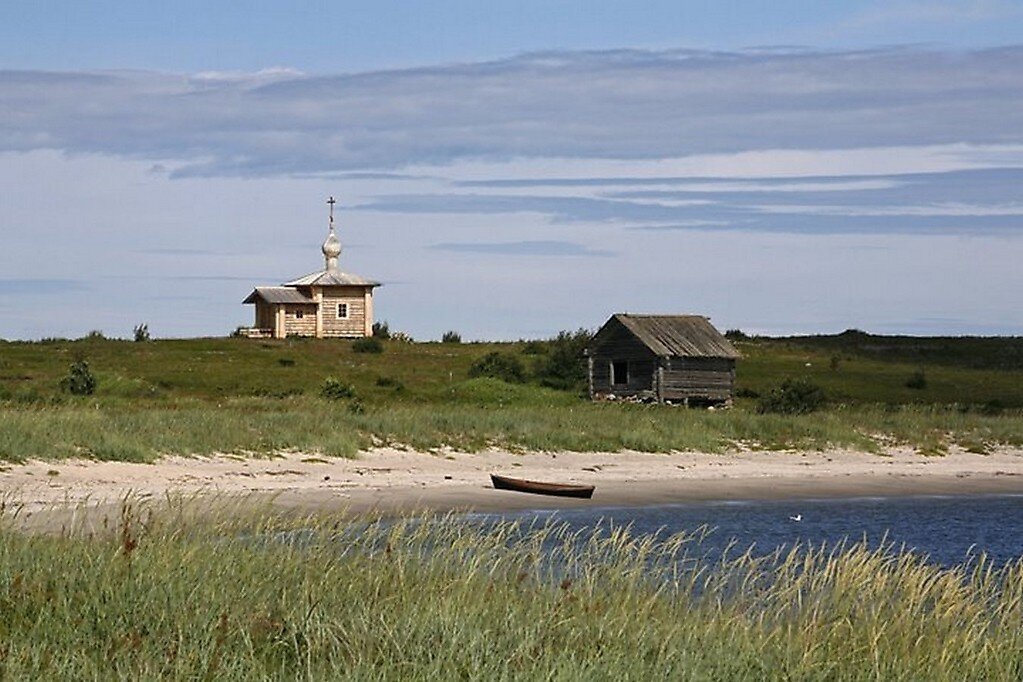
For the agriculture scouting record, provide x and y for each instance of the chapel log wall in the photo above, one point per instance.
(355, 324)
(300, 326)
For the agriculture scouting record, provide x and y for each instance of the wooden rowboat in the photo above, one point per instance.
(541, 488)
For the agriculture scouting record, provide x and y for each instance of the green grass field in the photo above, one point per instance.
(228, 593)
(200, 396)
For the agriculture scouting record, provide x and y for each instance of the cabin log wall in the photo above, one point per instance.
(672, 378)
(622, 346)
(697, 378)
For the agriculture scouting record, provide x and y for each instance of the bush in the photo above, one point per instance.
(381, 330)
(390, 382)
(917, 380)
(335, 389)
(141, 333)
(746, 393)
(992, 407)
(79, 380)
(503, 366)
(564, 366)
(451, 337)
(736, 335)
(534, 347)
(369, 344)
(95, 335)
(794, 396)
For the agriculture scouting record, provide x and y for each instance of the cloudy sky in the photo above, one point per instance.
(512, 169)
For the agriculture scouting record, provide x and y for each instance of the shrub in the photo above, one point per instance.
(390, 382)
(503, 366)
(369, 344)
(564, 366)
(534, 347)
(402, 337)
(992, 407)
(451, 337)
(746, 393)
(335, 389)
(917, 380)
(736, 335)
(794, 396)
(141, 333)
(381, 330)
(286, 362)
(95, 335)
(79, 379)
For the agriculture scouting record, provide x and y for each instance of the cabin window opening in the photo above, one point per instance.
(299, 314)
(342, 311)
(619, 372)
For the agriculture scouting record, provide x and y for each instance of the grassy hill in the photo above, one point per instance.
(198, 396)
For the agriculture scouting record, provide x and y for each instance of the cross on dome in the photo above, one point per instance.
(332, 246)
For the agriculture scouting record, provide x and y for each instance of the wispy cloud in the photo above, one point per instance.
(524, 248)
(172, 251)
(939, 209)
(40, 287)
(625, 104)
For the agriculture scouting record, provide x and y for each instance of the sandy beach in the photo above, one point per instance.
(392, 480)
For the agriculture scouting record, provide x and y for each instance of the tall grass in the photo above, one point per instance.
(265, 426)
(190, 593)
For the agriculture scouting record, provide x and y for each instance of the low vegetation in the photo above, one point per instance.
(497, 365)
(232, 595)
(793, 396)
(201, 396)
(370, 344)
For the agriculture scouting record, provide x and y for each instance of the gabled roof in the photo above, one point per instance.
(672, 335)
(278, 295)
(328, 278)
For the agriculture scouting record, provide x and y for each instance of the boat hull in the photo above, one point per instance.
(542, 488)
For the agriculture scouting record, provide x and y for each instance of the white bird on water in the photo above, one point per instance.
(797, 518)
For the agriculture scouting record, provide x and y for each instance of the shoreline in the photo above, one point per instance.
(390, 480)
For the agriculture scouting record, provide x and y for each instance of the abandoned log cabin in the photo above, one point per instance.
(325, 304)
(673, 358)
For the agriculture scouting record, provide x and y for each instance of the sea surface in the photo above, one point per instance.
(946, 530)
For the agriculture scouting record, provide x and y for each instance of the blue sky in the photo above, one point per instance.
(512, 169)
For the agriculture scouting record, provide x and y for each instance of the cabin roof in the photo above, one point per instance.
(331, 278)
(673, 335)
(278, 295)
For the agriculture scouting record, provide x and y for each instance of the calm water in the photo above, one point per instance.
(949, 530)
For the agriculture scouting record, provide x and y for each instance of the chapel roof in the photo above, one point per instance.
(331, 278)
(283, 294)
